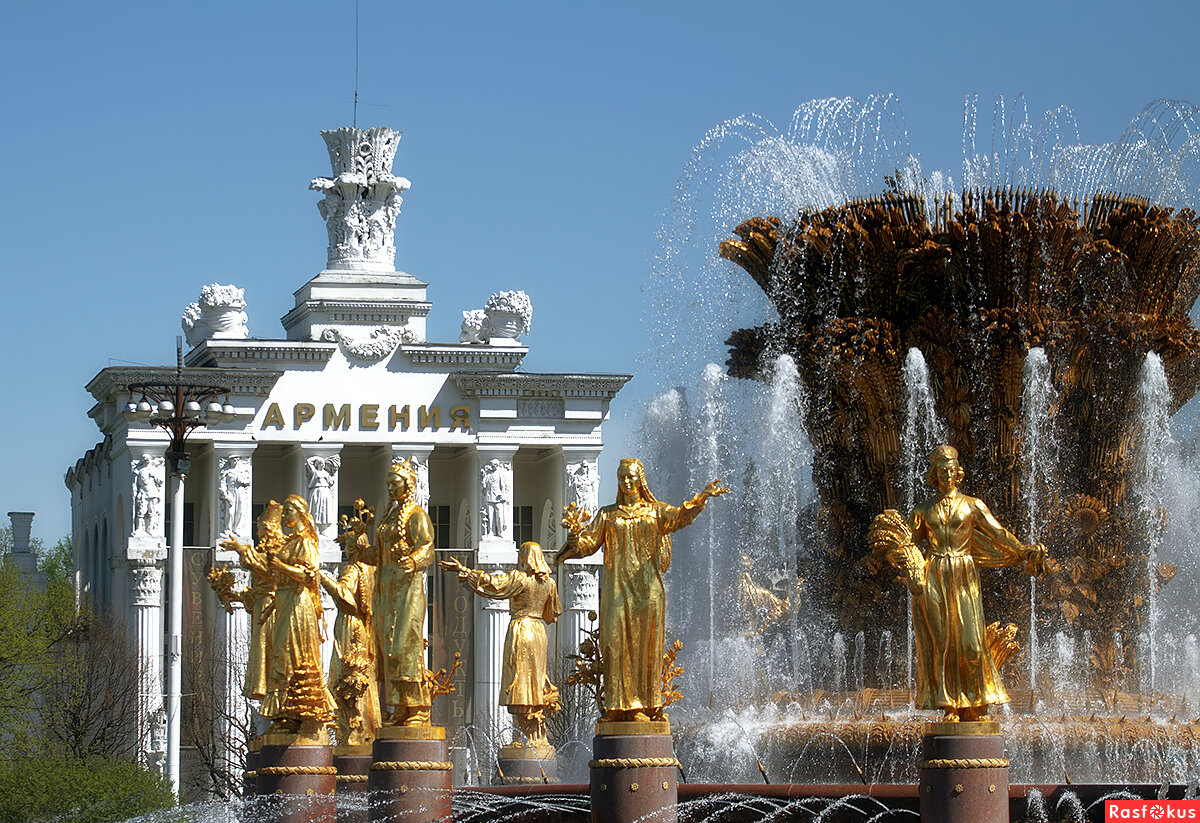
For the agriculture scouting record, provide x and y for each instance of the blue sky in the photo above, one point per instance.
(151, 148)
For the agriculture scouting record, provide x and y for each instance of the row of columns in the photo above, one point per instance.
(230, 495)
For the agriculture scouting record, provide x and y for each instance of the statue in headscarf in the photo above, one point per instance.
(532, 595)
(635, 535)
(259, 596)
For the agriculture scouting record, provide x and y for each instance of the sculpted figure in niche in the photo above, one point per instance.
(532, 595)
(352, 668)
(940, 549)
(584, 484)
(322, 473)
(235, 495)
(402, 552)
(296, 698)
(496, 499)
(147, 495)
(259, 596)
(635, 536)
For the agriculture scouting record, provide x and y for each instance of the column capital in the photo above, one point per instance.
(145, 583)
(580, 453)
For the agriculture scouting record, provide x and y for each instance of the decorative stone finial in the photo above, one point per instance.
(219, 314)
(509, 315)
(362, 199)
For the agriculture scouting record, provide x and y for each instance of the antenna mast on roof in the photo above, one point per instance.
(354, 121)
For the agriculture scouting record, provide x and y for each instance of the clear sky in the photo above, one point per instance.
(151, 148)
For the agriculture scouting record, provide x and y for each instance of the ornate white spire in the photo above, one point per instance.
(362, 198)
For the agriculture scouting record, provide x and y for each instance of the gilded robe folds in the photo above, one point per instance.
(400, 604)
(532, 603)
(955, 669)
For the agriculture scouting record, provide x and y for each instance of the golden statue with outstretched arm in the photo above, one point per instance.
(402, 552)
(939, 551)
(635, 535)
(532, 595)
(352, 667)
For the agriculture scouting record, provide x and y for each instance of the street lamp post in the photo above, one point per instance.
(178, 407)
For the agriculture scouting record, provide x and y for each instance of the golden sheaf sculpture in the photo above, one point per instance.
(939, 550)
(532, 595)
(635, 535)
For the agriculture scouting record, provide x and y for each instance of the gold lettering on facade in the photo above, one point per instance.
(368, 416)
(428, 415)
(335, 418)
(341, 416)
(302, 413)
(395, 417)
(274, 417)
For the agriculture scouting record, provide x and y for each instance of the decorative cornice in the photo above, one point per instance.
(112, 383)
(231, 354)
(473, 355)
(587, 386)
(363, 312)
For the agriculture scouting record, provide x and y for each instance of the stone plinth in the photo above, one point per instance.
(410, 774)
(353, 764)
(521, 765)
(296, 778)
(634, 773)
(250, 773)
(963, 773)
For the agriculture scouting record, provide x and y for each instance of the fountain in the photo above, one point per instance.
(1035, 316)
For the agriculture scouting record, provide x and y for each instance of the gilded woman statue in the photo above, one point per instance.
(403, 551)
(352, 668)
(940, 549)
(259, 596)
(532, 596)
(296, 698)
(635, 535)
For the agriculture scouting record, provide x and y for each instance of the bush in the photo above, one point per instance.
(41, 789)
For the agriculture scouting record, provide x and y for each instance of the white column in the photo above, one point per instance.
(145, 589)
(491, 625)
(231, 650)
(580, 586)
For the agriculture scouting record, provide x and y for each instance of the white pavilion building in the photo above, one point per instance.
(352, 385)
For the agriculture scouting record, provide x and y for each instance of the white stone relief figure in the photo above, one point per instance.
(497, 499)
(219, 314)
(147, 495)
(322, 473)
(583, 481)
(235, 496)
(422, 490)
